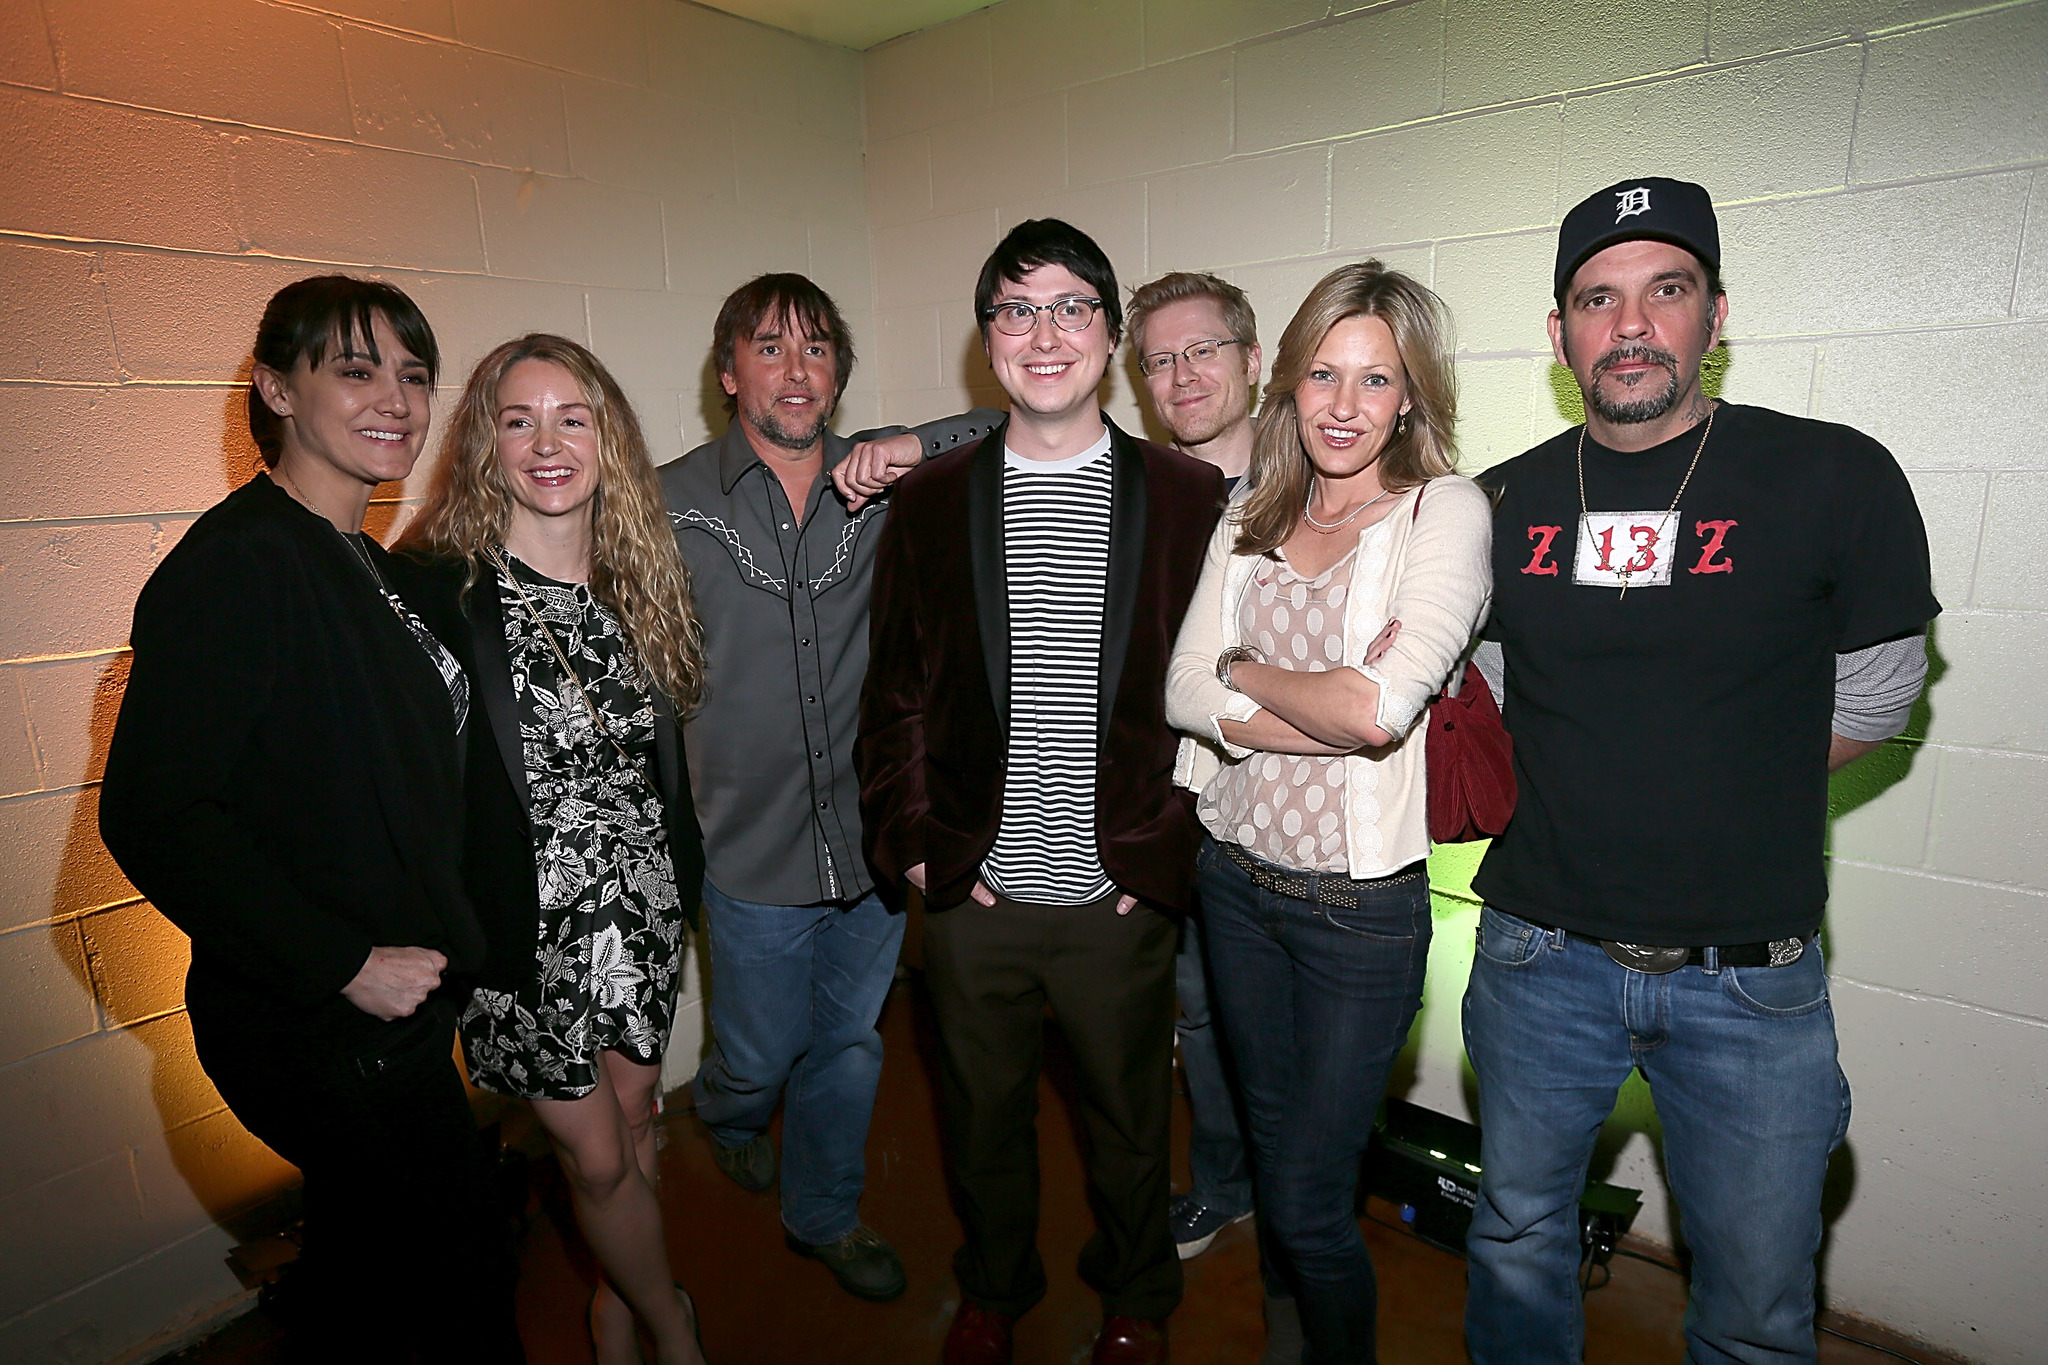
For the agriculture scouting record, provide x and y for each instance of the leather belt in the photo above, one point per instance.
(1656, 960)
(1345, 893)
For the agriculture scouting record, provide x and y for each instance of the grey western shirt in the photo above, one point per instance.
(784, 608)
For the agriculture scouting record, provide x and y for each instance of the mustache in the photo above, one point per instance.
(1623, 355)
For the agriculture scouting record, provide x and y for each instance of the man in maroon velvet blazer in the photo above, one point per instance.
(1016, 766)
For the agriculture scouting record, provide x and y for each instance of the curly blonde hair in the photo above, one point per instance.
(1426, 449)
(635, 568)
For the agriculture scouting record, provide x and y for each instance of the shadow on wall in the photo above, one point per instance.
(135, 973)
(711, 408)
(133, 970)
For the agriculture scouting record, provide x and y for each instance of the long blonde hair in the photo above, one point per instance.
(1424, 449)
(635, 568)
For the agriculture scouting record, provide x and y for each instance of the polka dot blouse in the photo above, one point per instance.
(1286, 808)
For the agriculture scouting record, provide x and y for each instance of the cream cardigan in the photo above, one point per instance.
(1431, 571)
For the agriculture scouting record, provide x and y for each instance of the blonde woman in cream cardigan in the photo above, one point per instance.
(1339, 593)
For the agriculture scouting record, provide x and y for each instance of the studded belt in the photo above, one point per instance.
(1345, 893)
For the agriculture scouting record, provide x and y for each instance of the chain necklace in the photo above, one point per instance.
(597, 717)
(354, 540)
(1624, 572)
(1338, 524)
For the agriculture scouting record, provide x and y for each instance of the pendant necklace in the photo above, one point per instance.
(1585, 515)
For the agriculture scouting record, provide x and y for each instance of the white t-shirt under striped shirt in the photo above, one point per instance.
(1056, 549)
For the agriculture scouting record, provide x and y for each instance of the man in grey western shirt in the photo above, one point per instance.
(802, 950)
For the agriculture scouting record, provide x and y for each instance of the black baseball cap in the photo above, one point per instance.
(1675, 211)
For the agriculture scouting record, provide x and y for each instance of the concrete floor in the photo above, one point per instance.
(761, 1305)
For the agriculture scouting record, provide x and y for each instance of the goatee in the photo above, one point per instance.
(1637, 407)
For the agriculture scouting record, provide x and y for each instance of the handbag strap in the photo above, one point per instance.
(562, 659)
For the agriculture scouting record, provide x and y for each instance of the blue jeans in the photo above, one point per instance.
(1222, 1178)
(1316, 1002)
(795, 993)
(1741, 1064)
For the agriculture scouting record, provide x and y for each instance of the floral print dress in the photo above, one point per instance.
(610, 938)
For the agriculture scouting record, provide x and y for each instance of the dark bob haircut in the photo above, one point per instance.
(1048, 241)
(768, 298)
(307, 316)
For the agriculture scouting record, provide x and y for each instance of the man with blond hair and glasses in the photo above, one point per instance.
(1197, 344)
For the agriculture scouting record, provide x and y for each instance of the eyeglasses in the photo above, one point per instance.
(1016, 319)
(1201, 353)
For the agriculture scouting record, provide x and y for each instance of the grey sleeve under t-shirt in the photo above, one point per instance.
(1875, 688)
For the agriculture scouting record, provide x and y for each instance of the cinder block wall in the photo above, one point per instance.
(1879, 170)
(607, 169)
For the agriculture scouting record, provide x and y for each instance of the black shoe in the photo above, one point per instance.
(751, 1164)
(1195, 1224)
(865, 1266)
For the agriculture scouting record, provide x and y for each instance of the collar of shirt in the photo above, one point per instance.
(1066, 466)
(736, 454)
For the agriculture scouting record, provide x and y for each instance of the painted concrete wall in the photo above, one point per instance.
(610, 169)
(600, 168)
(1879, 167)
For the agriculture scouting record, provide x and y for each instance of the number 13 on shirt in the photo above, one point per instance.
(1624, 549)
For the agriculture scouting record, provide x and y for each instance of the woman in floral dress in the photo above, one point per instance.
(544, 556)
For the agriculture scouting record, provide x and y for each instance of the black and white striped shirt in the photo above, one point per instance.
(1056, 549)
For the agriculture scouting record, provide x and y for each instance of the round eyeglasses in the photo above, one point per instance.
(1015, 319)
(1201, 353)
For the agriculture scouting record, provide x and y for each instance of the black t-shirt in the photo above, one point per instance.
(1671, 743)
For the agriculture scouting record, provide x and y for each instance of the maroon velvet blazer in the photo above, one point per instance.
(934, 713)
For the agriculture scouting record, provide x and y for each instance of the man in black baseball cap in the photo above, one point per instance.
(1704, 608)
(1654, 209)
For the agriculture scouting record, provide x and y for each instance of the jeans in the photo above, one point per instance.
(1222, 1177)
(795, 993)
(1316, 1002)
(1741, 1064)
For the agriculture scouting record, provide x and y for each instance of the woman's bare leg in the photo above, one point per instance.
(609, 1158)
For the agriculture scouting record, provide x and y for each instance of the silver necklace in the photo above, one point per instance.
(1327, 527)
(353, 541)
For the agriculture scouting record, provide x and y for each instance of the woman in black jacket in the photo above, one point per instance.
(544, 556)
(284, 784)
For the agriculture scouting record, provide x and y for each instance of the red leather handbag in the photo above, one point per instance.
(1471, 760)
(1471, 764)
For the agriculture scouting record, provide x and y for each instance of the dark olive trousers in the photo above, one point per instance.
(992, 971)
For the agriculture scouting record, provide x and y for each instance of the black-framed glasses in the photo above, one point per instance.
(1016, 318)
(1201, 353)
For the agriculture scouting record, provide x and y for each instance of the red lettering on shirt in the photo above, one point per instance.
(1707, 563)
(1542, 535)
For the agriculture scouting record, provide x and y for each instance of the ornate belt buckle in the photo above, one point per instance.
(1786, 951)
(1641, 957)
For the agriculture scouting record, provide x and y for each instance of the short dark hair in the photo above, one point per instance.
(306, 316)
(1048, 241)
(774, 296)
